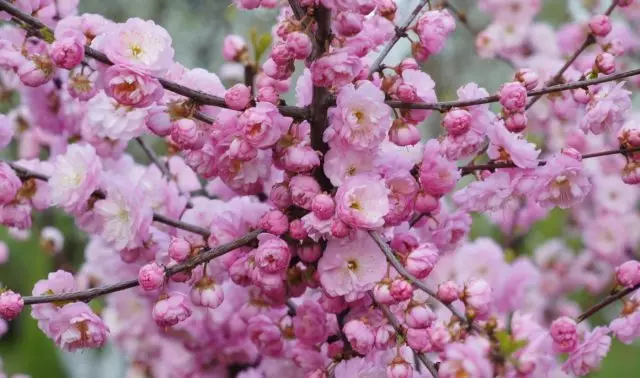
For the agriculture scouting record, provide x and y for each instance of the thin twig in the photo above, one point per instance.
(588, 41)
(400, 32)
(202, 257)
(153, 157)
(415, 281)
(196, 95)
(25, 173)
(491, 166)
(605, 302)
(398, 328)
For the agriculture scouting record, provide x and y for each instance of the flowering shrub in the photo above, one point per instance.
(330, 239)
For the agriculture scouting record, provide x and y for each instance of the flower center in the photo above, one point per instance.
(136, 51)
(352, 265)
(359, 114)
(356, 205)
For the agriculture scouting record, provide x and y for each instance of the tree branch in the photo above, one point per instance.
(396, 325)
(588, 41)
(415, 281)
(491, 166)
(298, 12)
(197, 96)
(153, 157)
(400, 32)
(25, 174)
(202, 257)
(605, 302)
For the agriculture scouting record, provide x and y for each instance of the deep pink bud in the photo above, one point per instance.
(404, 134)
(407, 64)
(68, 51)
(179, 249)
(421, 261)
(605, 63)
(303, 190)
(36, 70)
(297, 230)
(11, 304)
(401, 290)
(600, 25)
(513, 96)
(171, 310)
(572, 153)
(151, 277)
(348, 24)
(516, 122)
(268, 94)
(206, 293)
(159, 121)
(406, 92)
(448, 291)
(419, 316)
(238, 97)
(323, 206)
(278, 71)
(399, 368)
(382, 293)
(457, 121)
(404, 242)
(628, 273)
(426, 203)
(309, 253)
(631, 173)
(339, 229)
(359, 335)
(281, 54)
(131, 87)
(187, 135)
(299, 44)
(564, 332)
(418, 339)
(528, 78)
(274, 222)
(272, 255)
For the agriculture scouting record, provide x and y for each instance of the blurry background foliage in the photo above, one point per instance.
(198, 27)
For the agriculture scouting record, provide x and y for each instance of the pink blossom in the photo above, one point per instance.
(360, 336)
(564, 334)
(362, 202)
(425, 89)
(419, 316)
(265, 335)
(206, 293)
(478, 296)
(422, 260)
(299, 44)
(82, 86)
(323, 206)
(171, 310)
(469, 358)
(348, 24)
(263, 125)
(627, 327)
(513, 97)
(562, 182)
(351, 266)
(529, 78)
(233, 47)
(238, 97)
(303, 190)
(438, 175)
(433, 28)
(75, 326)
(68, 52)
(188, 135)
(9, 184)
(151, 277)
(106, 118)
(179, 249)
(11, 305)
(588, 355)
(401, 289)
(36, 70)
(628, 273)
(399, 368)
(76, 176)
(457, 121)
(131, 87)
(361, 119)
(335, 70)
(449, 291)
(418, 340)
(272, 255)
(404, 134)
(275, 222)
(607, 109)
(600, 25)
(309, 323)
(506, 146)
(605, 63)
(138, 44)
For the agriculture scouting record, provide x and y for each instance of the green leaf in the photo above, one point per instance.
(46, 34)
(261, 46)
(508, 345)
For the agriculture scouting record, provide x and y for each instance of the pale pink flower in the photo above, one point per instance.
(272, 254)
(627, 327)
(342, 163)
(438, 175)
(106, 118)
(238, 97)
(75, 326)
(51, 239)
(607, 109)
(125, 215)
(562, 182)
(206, 293)
(425, 89)
(309, 323)
(233, 47)
(467, 359)
(76, 175)
(171, 310)
(628, 273)
(351, 266)
(139, 44)
(9, 184)
(361, 119)
(433, 28)
(68, 51)
(589, 354)
(513, 97)
(360, 336)
(131, 87)
(58, 282)
(263, 125)
(362, 202)
(506, 146)
(495, 192)
(335, 69)
(265, 335)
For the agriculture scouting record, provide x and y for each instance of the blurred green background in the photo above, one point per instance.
(198, 27)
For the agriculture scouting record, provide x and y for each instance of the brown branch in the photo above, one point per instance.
(400, 32)
(298, 12)
(588, 41)
(319, 103)
(491, 166)
(399, 329)
(605, 302)
(415, 281)
(25, 174)
(202, 257)
(197, 96)
(153, 157)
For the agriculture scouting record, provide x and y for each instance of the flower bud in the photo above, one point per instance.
(151, 277)
(238, 97)
(605, 63)
(299, 44)
(11, 304)
(421, 261)
(323, 206)
(187, 135)
(281, 54)
(457, 121)
(339, 229)
(513, 97)
(206, 293)
(426, 203)
(382, 293)
(628, 273)
(448, 291)
(348, 24)
(268, 94)
(406, 92)
(171, 310)
(399, 368)
(309, 253)
(68, 51)
(179, 249)
(404, 134)
(297, 230)
(359, 335)
(401, 290)
(528, 78)
(477, 296)
(37, 70)
(418, 339)
(233, 48)
(564, 333)
(600, 25)
(272, 255)
(275, 222)
(385, 337)
(516, 122)
(419, 316)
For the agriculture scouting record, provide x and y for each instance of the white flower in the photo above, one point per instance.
(106, 118)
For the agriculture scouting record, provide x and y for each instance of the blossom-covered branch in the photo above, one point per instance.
(201, 258)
